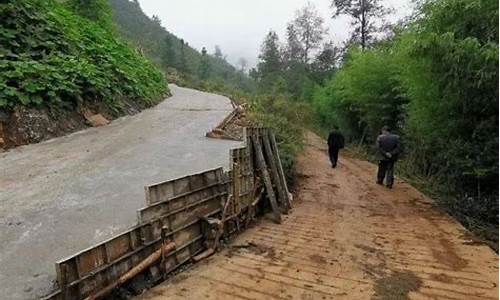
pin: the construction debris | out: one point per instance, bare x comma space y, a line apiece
232, 127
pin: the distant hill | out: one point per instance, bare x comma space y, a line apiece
169, 51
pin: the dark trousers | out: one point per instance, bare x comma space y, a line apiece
386, 170
334, 155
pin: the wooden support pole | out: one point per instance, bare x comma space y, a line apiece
223, 221
280, 168
218, 234
237, 187
261, 163
282, 195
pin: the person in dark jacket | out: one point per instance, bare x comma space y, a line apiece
335, 143
388, 150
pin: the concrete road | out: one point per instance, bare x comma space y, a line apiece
66, 194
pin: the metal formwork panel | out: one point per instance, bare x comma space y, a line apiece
188, 200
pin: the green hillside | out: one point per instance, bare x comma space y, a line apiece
171, 53
52, 57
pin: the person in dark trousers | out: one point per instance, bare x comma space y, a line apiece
335, 143
388, 149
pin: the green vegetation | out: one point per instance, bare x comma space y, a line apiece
287, 120
98, 11
183, 64
286, 76
434, 80
51, 57
436, 83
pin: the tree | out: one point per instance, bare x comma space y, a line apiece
218, 52
254, 74
324, 63
98, 11
294, 52
364, 13
243, 63
309, 30
169, 57
269, 66
182, 60
204, 65
156, 20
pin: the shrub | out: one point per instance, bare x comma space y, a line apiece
54, 58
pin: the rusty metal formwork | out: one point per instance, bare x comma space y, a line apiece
242, 179
177, 211
173, 212
188, 184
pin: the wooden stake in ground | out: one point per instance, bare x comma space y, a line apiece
261, 163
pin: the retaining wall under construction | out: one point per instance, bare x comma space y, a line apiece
183, 220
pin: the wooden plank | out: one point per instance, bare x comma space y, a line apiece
282, 196
236, 187
280, 167
261, 163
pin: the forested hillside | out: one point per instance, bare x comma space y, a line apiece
433, 79
58, 59
183, 63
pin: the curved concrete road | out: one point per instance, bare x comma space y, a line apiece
66, 194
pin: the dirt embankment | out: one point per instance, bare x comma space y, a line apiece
22, 126
346, 238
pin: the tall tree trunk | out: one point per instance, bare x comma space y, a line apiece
363, 25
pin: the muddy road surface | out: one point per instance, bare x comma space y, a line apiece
346, 238
66, 194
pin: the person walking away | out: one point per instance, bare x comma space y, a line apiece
335, 143
388, 150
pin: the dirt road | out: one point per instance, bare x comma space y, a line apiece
63, 195
347, 238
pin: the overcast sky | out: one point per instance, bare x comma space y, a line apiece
239, 26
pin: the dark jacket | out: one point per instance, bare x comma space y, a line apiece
335, 140
388, 143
